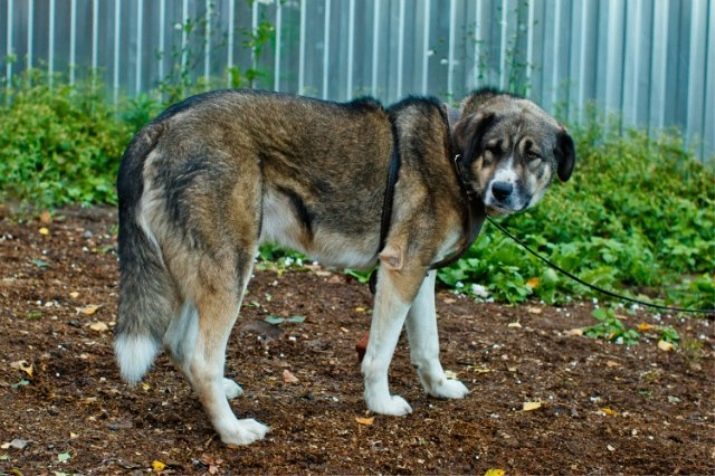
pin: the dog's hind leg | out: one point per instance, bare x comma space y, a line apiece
180, 341
424, 344
218, 299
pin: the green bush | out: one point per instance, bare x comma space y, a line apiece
59, 145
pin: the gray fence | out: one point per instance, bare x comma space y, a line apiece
650, 61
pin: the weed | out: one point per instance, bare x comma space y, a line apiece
611, 328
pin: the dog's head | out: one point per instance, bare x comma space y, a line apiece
510, 150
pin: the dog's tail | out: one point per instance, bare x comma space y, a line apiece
145, 307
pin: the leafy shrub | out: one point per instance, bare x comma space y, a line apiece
59, 145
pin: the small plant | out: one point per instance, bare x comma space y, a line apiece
611, 328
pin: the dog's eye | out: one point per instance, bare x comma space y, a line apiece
494, 149
531, 156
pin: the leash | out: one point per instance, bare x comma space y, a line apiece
593, 286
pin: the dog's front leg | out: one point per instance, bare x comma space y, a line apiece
396, 288
424, 344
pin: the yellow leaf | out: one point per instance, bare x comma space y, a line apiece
532, 283
533, 310
514, 324
644, 327
23, 366
89, 310
157, 466
145, 386
609, 411
530, 406
495, 472
578, 331
450, 374
665, 346
44, 231
74, 294
99, 326
360, 309
365, 421
288, 377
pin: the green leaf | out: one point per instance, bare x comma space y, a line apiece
274, 320
63, 457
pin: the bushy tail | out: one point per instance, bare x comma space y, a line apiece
145, 293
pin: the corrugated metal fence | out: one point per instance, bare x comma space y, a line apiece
652, 61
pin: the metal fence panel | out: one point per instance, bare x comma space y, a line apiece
650, 61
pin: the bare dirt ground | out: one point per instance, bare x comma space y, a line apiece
605, 408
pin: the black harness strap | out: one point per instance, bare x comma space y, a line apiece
392, 173
473, 204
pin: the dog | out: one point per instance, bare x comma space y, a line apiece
213, 177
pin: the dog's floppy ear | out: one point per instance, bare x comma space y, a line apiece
469, 131
565, 155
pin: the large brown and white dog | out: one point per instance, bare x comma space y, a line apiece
211, 178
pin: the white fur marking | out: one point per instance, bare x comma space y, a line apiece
388, 316
180, 337
135, 355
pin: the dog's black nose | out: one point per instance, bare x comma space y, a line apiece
502, 190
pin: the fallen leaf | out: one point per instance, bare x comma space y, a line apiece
274, 320
495, 472
99, 327
530, 406
609, 411
63, 457
89, 310
145, 386
449, 300
74, 294
611, 448
22, 365
46, 217
534, 310
611, 363
5, 457
532, 283
514, 324
365, 421
482, 370
40, 263
157, 466
16, 444
578, 331
450, 374
296, 319
44, 231
73, 435
360, 309
288, 377
644, 327
665, 346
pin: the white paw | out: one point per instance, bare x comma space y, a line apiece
392, 405
231, 389
244, 432
449, 388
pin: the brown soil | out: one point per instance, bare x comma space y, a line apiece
606, 408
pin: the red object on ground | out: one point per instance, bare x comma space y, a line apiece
361, 346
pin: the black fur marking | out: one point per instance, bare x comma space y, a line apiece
301, 211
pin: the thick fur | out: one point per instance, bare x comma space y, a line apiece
213, 177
